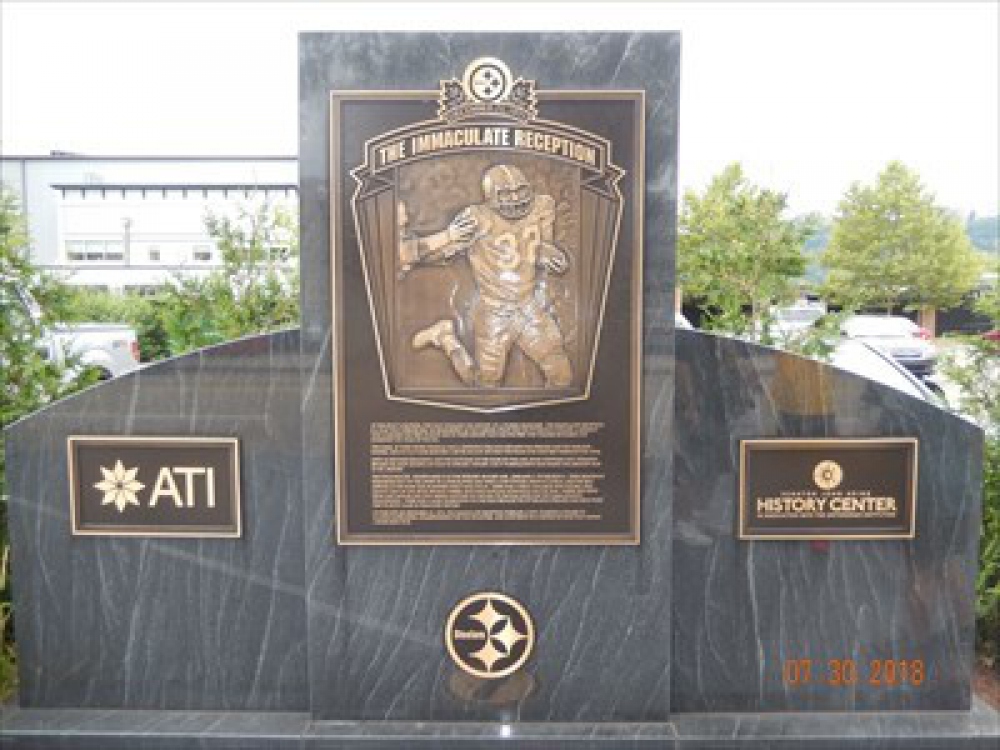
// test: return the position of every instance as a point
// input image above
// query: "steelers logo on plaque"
(489, 635)
(488, 79)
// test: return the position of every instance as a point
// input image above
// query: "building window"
(202, 253)
(154, 254)
(94, 251)
(76, 250)
(278, 253)
(143, 290)
(113, 251)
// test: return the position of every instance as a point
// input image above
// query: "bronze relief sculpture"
(509, 243)
(487, 241)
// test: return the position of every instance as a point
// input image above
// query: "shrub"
(988, 580)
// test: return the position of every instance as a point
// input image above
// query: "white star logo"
(488, 616)
(119, 486)
(508, 636)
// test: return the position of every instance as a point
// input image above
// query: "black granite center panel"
(376, 615)
(166, 623)
(742, 609)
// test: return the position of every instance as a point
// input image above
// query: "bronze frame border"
(507, 599)
(633, 536)
(137, 531)
(910, 498)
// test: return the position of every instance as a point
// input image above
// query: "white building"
(130, 223)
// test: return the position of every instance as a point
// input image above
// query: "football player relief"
(487, 236)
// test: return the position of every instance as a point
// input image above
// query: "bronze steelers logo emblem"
(487, 79)
(489, 635)
(828, 475)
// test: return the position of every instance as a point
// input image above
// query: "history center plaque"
(487, 291)
(828, 488)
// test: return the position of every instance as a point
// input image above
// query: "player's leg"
(442, 336)
(542, 341)
(494, 335)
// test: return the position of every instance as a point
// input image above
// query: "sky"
(808, 96)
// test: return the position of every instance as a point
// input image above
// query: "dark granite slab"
(166, 623)
(741, 608)
(376, 614)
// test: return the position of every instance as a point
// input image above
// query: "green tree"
(257, 290)
(738, 251)
(892, 245)
(29, 302)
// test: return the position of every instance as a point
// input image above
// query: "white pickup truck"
(111, 348)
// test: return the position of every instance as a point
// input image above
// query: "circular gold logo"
(487, 80)
(828, 475)
(489, 635)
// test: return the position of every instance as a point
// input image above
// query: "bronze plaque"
(828, 488)
(154, 486)
(487, 292)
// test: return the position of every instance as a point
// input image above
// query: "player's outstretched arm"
(442, 246)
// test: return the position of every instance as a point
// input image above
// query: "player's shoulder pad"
(477, 211)
(545, 206)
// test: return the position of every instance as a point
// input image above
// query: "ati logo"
(828, 475)
(121, 487)
(489, 635)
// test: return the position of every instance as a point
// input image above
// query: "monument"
(487, 492)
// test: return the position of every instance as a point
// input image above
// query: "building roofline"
(156, 157)
(173, 186)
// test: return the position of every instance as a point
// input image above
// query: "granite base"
(48, 729)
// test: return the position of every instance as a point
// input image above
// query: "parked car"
(899, 337)
(111, 348)
(863, 359)
(795, 319)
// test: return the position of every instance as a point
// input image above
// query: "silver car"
(874, 364)
(899, 337)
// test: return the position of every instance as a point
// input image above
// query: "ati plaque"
(487, 296)
(828, 489)
(154, 486)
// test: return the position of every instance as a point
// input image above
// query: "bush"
(256, 291)
(975, 368)
(30, 301)
(988, 580)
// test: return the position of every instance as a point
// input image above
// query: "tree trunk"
(927, 317)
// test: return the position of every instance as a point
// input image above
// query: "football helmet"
(507, 191)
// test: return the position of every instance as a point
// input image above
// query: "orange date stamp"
(880, 673)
